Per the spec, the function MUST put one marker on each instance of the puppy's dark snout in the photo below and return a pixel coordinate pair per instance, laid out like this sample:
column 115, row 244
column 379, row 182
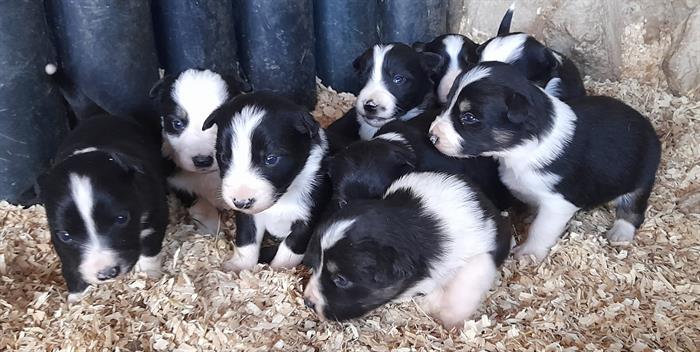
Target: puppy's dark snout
column 202, row 161
column 370, row 106
column 243, row 203
column 309, row 304
column 109, row 273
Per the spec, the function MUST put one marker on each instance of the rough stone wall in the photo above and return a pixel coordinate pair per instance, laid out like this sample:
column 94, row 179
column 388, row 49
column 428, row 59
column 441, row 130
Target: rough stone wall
column 654, row 41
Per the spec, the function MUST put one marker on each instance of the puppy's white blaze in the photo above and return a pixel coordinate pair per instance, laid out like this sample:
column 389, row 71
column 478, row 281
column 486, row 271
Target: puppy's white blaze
column 453, row 45
column 462, row 295
column 149, row 265
column 375, row 89
column 286, row 258
column 472, row 75
column 622, row 231
column 242, row 180
column 81, row 191
column 505, row 49
column 198, row 93
column 84, row 150
column 244, row 257
column 335, row 233
column 453, row 205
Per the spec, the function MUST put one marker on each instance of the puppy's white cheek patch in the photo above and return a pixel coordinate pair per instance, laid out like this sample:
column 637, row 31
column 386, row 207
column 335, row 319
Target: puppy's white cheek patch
column 448, row 141
column 313, row 294
column 94, row 261
column 446, row 83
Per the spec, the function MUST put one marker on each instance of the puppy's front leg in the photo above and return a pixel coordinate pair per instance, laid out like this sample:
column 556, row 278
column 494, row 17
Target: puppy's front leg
column 291, row 250
column 246, row 245
column 550, row 222
column 151, row 245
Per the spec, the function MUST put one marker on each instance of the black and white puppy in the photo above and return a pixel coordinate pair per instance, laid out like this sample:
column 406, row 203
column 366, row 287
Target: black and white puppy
column 105, row 202
column 537, row 62
column 559, row 157
column 397, row 86
column 270, row 154
column 185, row 101
column 432, row 235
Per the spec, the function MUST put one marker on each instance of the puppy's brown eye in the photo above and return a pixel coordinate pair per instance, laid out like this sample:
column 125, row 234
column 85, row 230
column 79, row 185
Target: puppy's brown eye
column 467, row 118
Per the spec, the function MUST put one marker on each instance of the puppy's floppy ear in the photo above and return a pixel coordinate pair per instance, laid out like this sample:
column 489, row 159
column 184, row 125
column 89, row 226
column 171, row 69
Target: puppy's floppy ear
column 236, row 85
column 159, row 87
column 402, row 155
column 361, row 62
column 430, row 61
column 127, row 163
column 419, row 46
column 214, row 117
column 305, row 123
column 518, row 107
column 392, row 268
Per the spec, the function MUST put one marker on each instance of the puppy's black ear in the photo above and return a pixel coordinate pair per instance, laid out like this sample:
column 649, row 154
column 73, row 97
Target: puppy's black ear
column 430, row 61
column 127, row 163
column 214, row 117
column 404, row 157
column 159, row 87
column 419, row 46
column 305, row 123
column 361, row 62
column 392, row 268
column 236, row 85
column 518, row 108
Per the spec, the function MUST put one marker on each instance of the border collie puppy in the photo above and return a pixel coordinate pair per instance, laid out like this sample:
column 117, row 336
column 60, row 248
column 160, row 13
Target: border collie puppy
column 458, row 54
column 270, row 152
column 397, row 86
column 559, row 157
column 432, row 235
column 482, row 171
column 185, row 101
column 105, row 202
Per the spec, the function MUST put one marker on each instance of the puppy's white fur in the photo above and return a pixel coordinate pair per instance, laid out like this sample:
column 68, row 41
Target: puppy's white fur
column 505, row 49
column 375, row 89
column 453, row 45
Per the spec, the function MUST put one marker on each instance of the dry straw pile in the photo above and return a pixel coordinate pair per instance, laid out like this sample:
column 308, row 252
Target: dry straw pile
column 586, row 296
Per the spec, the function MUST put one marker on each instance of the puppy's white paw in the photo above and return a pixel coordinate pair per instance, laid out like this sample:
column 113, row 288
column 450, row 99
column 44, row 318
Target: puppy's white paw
column 150, row 266
column 286, row 258
column 622, row 232
column 75, row 297
column 529, row 249
column 244, row 258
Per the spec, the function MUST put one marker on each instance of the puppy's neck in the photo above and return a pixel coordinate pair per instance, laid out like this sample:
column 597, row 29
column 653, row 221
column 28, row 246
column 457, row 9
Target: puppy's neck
column 548, row 144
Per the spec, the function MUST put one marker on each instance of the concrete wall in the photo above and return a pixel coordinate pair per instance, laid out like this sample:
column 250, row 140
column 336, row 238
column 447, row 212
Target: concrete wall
column 654, row 41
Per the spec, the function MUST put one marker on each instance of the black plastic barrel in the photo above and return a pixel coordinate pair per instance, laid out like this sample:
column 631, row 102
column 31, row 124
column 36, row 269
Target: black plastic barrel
column 276, row 47
column 344, row 29
column 408, row 21
column 195, row 34
column 108, row 50
column 33, row 119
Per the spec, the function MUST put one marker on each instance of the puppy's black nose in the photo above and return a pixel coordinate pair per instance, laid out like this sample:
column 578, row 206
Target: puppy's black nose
column 243, row 203
column 109, row 273
column 309, row 304
column 202, row 161
column 433, row 138
column 370, row 106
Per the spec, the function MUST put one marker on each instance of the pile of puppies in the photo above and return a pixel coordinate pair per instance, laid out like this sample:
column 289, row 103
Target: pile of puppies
column 401, row 198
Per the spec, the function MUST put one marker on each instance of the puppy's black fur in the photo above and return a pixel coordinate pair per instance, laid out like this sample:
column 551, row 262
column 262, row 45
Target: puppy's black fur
column 123, row 166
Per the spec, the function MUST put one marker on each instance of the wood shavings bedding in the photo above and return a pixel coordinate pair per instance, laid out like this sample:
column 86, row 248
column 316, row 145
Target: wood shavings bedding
column 586, row 296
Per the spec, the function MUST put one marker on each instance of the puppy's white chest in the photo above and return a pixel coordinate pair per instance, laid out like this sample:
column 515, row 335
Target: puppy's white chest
column 278, row 219
column 529, row 185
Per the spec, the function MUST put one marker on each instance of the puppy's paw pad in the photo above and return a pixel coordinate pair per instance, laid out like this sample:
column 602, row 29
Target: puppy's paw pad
column 622, row 232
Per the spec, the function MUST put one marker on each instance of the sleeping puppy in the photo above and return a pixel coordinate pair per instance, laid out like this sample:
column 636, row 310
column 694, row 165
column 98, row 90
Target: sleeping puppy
column 537, row 62
column 482, row 171
column 270, row 153
column 559, row 157
column 105, row 202
column 397, row 86
column 432, row 235
column 458, row 54
column 185, row 100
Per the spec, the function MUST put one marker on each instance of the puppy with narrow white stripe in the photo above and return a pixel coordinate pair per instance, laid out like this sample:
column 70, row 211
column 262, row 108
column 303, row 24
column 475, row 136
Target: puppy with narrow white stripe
column 397, row 86
column 432, row 235
column 105, row 202
column 559, row 157
column 270, row 152
column 185, row 100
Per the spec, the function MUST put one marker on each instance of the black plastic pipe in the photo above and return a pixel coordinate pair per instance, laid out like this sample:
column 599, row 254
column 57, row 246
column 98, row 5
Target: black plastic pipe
column 344, row 29
column 408, row 21
column 276, row 47
column 108, row 50
column 33, row 118
column 195, row 34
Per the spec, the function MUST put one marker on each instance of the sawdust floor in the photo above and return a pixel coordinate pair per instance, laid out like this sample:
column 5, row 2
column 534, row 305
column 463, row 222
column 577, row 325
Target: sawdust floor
column 588, row 295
